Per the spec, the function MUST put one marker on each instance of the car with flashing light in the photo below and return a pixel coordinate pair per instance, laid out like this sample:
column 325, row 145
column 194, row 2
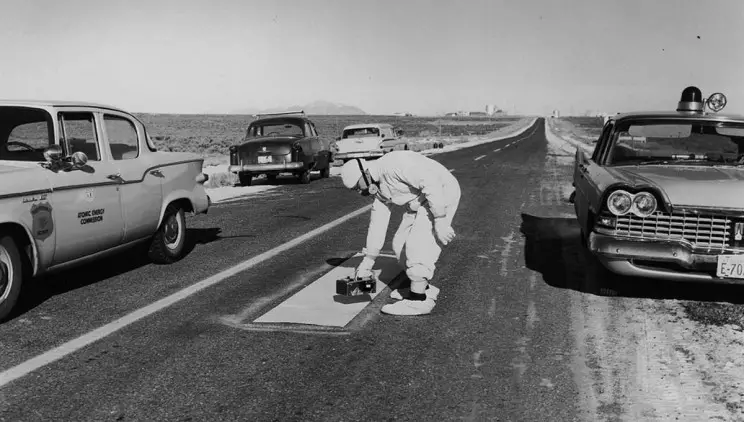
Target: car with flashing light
column 660, row 195
column 80, row 181
column 367, row 141
column 276, row 143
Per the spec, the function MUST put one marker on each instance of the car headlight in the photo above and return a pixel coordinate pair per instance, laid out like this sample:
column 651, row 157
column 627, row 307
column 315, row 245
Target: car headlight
column 619, row 202
column 644, row 204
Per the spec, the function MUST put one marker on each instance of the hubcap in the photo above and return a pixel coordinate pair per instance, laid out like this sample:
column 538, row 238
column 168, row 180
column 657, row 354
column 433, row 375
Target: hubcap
column 171, row 230
column 5, row 273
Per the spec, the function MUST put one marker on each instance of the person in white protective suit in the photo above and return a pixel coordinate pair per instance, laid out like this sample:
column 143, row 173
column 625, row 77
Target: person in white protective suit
column 430, row 194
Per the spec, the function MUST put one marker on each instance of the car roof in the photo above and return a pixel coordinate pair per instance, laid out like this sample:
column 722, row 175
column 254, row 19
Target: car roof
column 723, row 117
column 281, row 119
column 363, row 125
column 57, row 103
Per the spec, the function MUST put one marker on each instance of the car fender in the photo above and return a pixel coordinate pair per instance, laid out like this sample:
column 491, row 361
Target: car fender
column 19, row 228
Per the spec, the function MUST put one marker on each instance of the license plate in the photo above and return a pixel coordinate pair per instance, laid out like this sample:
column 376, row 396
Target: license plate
column 264, row 159
column 730, row 266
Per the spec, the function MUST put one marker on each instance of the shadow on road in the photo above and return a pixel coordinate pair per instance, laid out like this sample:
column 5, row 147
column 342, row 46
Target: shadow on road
column 282, row 180
column 37, row 291
column 553, row 248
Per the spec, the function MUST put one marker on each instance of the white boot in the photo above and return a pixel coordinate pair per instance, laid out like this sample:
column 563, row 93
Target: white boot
column 409, row 307
column 431, row 293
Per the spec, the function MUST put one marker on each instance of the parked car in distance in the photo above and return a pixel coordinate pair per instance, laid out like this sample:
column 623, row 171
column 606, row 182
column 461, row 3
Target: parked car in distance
column 276, row 143
column 661, row 195
column 367, row 141
column 83, row 180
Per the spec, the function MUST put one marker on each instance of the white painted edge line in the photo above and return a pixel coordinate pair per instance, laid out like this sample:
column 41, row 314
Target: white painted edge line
column 497, row 150
column 478, row 158
column 78, row 343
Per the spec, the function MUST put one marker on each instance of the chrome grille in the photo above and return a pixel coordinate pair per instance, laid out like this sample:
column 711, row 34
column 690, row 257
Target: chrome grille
column 703, row 231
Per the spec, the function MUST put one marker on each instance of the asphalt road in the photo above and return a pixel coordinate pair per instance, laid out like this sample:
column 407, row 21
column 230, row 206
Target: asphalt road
column 509, row 339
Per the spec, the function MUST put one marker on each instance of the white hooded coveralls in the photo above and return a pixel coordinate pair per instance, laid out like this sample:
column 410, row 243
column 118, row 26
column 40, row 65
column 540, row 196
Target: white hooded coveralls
column 429, row 192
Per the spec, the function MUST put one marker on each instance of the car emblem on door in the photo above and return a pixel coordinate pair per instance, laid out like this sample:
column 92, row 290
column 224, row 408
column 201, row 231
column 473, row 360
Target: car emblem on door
column 738, row 231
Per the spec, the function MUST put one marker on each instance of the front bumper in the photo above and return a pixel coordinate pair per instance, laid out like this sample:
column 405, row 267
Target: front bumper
column 263, row 168
column 358, row 154
column 667, row 260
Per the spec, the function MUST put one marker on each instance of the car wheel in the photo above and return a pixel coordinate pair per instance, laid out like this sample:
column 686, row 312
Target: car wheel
column 245, row 179
column 304, row 177
column 405, row 147
column 11, row 275
column 169, row 241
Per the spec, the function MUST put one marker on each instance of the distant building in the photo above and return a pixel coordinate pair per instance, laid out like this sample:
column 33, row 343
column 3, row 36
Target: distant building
column 556, row 113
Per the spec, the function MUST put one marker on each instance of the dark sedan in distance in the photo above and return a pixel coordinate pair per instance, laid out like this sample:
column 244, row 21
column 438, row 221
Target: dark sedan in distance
column 277, row 143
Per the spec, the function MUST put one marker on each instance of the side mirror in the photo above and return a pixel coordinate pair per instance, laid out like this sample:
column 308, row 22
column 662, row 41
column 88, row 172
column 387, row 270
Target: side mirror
column 53, row 153
column 78, row 159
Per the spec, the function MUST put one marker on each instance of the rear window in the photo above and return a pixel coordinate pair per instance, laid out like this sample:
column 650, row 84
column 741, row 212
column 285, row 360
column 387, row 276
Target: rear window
column 358, row 132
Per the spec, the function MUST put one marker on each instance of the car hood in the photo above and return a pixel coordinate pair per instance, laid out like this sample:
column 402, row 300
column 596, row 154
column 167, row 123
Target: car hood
column 690, row 185
column 365, row 143
column 18, row 177
column 17, row 166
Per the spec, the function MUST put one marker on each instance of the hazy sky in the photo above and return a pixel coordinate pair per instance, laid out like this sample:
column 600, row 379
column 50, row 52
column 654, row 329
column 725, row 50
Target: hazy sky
column 424, row 57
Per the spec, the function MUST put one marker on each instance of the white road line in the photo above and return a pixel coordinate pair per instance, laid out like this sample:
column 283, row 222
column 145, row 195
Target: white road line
column 478, row 158
column 72, row 346
column 497, row 150
column 451, row 170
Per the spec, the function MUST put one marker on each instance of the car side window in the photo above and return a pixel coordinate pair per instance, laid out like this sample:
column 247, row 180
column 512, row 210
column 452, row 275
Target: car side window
column 122, row 137
column 78, row 131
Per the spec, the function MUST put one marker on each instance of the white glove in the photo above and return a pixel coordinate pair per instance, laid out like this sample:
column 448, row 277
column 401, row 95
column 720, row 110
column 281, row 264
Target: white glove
column 365, row 268
column 445, row 232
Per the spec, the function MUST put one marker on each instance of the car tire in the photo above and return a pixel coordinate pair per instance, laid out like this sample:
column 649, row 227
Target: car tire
column 169, row 242
column 245, row 179
column 304, row 177
column 10, row 289
column 405, row 147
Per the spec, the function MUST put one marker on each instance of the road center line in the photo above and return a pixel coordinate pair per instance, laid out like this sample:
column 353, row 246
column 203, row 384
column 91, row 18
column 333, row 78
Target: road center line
column 497, row 150
column 72, row 346
column 478, row 158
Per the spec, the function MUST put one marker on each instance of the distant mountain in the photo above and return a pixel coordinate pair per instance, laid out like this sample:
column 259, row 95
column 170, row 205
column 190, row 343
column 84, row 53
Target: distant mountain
column 316, row 108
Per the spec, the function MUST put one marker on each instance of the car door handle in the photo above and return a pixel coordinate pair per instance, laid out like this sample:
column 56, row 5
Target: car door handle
column 115, row 176
column 157, row 173
column 582, row 167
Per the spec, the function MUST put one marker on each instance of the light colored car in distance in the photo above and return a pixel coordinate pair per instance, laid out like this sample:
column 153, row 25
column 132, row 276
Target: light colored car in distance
column 661, row 194
column 79, row 181
column 367, row 141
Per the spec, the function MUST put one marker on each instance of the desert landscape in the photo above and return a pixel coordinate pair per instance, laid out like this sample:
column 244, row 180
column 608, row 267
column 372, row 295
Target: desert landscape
column 212, row 135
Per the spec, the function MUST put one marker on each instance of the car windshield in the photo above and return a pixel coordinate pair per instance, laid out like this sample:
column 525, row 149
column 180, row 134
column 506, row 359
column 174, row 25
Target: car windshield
column 360, row 132
column 24, row 133
column 657, row 143
column 275, row 129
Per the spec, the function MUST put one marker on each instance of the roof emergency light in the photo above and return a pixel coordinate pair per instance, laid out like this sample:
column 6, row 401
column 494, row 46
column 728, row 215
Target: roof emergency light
column 692, row 101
